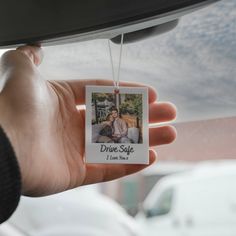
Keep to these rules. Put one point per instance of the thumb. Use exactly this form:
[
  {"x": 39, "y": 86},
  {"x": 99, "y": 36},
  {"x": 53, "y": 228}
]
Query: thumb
[
  {"x": 34, "y": 53},
  {"x": 24, "y": 58},
  {"x": 18, "y": 69}
]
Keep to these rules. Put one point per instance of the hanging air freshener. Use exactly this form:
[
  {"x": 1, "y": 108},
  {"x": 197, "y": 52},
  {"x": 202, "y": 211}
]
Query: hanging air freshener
[{"x": 117, "y": 122}]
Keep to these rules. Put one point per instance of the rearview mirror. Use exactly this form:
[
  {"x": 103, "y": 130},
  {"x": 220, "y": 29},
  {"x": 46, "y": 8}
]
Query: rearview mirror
[{"x": 146, "y": 33}]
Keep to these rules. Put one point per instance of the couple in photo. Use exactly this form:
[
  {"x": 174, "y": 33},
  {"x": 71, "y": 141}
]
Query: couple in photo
[{"x": 115, "y": 129}]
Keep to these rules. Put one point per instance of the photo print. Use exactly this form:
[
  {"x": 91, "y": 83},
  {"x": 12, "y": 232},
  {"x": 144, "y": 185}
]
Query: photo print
[{"x": 116, "y": 125}]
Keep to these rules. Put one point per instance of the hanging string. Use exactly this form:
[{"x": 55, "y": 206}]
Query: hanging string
[{"x": 116, "y": 80}]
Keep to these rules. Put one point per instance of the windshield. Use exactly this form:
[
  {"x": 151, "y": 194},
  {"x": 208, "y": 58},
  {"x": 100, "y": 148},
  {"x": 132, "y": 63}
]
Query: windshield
[{"x": 193, "y": 65}]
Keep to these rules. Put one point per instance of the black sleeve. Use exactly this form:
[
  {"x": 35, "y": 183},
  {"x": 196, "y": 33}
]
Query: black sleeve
[{"x": 10, "y": 179}]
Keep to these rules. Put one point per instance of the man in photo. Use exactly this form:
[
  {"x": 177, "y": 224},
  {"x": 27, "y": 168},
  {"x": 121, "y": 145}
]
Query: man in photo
[{"x": 120, "y": 128}]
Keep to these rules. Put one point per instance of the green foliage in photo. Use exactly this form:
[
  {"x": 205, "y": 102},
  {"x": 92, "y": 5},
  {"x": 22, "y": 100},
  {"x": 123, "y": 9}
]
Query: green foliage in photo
[{"x": 132, "y": 105}]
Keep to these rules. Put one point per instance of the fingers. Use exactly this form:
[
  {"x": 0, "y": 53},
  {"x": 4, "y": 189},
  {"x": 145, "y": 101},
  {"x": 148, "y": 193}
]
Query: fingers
[
  {"x": 96, "y": 173},
  {"x": 78, "y": 88},
  {"x": 161, "y": 112},
  {"x": 158, "y": 112},
  {"x": 161, "y": 135},
  {"x": 157, "y": 135}
]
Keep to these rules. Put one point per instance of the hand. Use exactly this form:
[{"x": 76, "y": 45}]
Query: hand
[{"x": 47, "y": 130}]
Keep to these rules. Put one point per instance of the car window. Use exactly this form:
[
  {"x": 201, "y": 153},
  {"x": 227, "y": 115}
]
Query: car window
[
  {"x": 163, "y": 204},
  {"x": 192, "y": 66}
]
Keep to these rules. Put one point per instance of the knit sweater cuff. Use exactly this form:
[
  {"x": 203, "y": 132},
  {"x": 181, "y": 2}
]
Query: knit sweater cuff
[{"x": 10, "y": 179}]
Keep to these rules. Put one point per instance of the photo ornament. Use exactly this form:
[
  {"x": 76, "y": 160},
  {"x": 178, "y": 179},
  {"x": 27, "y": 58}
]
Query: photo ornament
[{"x": 117, "y": 125}]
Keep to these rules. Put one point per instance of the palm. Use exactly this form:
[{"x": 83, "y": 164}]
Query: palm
[{"x": 68, "y": 140}]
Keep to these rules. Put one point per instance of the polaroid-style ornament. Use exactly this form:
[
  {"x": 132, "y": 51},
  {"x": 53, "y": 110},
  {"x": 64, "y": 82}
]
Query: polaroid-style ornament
[{"x": 117, "y": 125}]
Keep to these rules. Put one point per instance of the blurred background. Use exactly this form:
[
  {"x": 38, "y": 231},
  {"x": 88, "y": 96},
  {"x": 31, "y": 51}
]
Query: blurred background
[{"x": 191, "y": 190}]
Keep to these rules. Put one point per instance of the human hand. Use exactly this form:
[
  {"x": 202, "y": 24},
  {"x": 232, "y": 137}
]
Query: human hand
[{"x": 47, "y": 130}]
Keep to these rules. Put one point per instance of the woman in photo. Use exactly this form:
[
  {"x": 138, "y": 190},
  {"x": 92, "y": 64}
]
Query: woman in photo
[{"x": 106, "y": 133}]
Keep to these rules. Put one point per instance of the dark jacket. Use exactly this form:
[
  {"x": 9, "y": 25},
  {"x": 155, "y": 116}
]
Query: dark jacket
[{"x": 10, "y": 179}]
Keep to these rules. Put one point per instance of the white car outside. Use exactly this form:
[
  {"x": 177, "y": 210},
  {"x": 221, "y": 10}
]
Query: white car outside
[
  {"x": 200, "y": 202},
  {"x": 74, "y": 213}
]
